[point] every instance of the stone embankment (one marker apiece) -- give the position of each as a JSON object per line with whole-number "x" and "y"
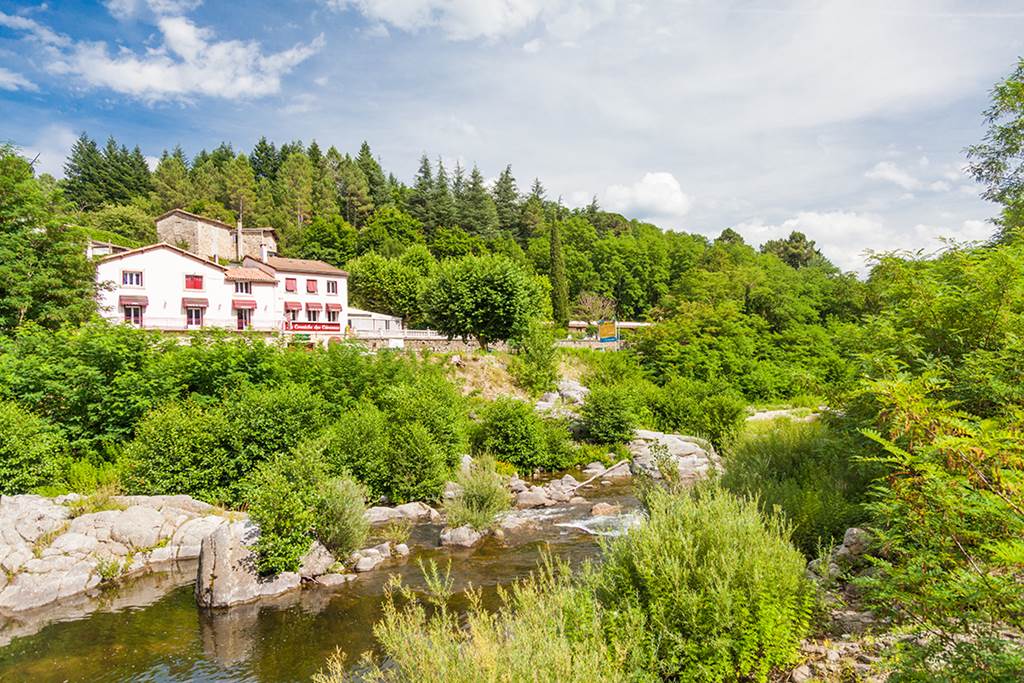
{"x": 47, "y": 553}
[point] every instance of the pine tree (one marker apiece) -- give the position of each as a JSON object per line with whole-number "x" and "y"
{"x": 506, "y": 202}
{"x": 421, "y": 202}
{"x": 559, "y": 284}
{"x": 295, "y": 182}
{"x": 83, "y": 174}
{"x": 354, "y": 192}
{"x": 171, "y": 184}
{"x": 375, "y": 179}
{"x": 442, "y": 202}
{"x": 118, "y": 175}
{"x": 240, "y": 182}
{"x": 478, "y": 215}
{"x": 265, "y": 160}
{"x": 325, "y": 183}
{"x": 533, "y": 212}
{"x": 142, "y": 181}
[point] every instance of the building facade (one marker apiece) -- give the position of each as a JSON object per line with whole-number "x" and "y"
{"x": 214, "y": 239}
{"x": 164, "y": 287}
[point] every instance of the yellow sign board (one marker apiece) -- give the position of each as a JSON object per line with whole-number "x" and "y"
{"x": 606, "y": 331}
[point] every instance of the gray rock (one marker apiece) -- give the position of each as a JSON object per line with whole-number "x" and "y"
{"x": 72, "y": 543}
{"x": 367, "y": 560}
{"x": 402, "y": 550}
{"x": 533, "y": 498}
{"x": 318, "y": 560}
{"x": 335, "y": 580}
{"x": 572, "y": 391}
{"x": 462, "y": 537}
{"x": 465, "y": 464}
{"x": 512, "y": 522}
{"x": 381, "y": 515}
{"x": 577, "y": 500}
{"x": 517, "y": 485}
{"x": 419, "y": 512}
{"x": 856, "y": 541}
{"x": 451, "y": 491}
{"x": 603, "y": 509}
{"x": 227, "y": 569}
{"x": 137, "y": 527}
{"x": 801, "y": 674}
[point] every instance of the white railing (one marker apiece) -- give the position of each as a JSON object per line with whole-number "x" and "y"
{"x": 397, "y": 334}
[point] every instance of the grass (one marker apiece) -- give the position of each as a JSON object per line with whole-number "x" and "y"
{"x": 44, "y": 541}
{"x": 397, "y": 531}
{"x": 101, "y": 500}
{"x": 110, "y": 569}
{"x": 482, "y": 497}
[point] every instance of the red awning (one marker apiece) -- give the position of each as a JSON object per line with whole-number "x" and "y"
{"x": 194, "y": 303}
{"x": 333, "y": 307}
{"x": 313, "y": 306}
{"x": 292, "y": 306}
{"x": 136, "y": 300}
{"x": 239, "y": 304}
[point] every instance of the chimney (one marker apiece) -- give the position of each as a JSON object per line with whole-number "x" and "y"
{"x": 238, "y": 241}
{"x": 263, "y": 252}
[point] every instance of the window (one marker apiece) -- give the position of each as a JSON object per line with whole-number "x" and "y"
{"x": 244, "y": 318}
{"x": 312, "y": 316}
{"x": 243, "y": 288}
{"x": 193, "y": 282}
{"x": 194, "y": 316}
{"x": 293, "y": 314}
{"x": 332, "y": 316}
{"x": 290, "y": 284}
{"x": 332, "y": 286}
{"x": 311, "y": 286}
{"x": 131, "y": 278}
{"x": 133, "y": 315}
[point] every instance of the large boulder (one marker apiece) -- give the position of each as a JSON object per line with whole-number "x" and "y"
{"x": 694, "y": 458}
{"x": 414, "y": 512}
{"x": 316, "y": 562}
{"x": 533, "y": 498}
{"x": 227, "y": 569}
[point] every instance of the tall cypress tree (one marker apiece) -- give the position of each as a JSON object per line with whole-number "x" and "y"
{"x": 559, "y": 284}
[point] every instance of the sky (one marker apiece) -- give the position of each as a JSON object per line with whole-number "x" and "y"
{"x": 844, "y": 120}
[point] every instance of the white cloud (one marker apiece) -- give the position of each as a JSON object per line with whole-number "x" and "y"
{"x": 845, "y": 237}
{"x": 471, "y": 19}
{"x": 657, "y": 197}
{"x": 130, "y": 8}
{"x": 15, "y": 81}
{"x": 889, "y": 172}
{"x": 533, "y": 46}
{"x": 300, "y": 104}
{"x": 34, "y": 28}
{"x": 191, "y": 61}
{"x": 320, "y": 80}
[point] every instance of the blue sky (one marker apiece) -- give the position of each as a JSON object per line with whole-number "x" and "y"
{"x": 846, "y": 120}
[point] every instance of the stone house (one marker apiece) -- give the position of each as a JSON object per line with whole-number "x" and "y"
{"x": 213, "y": 239}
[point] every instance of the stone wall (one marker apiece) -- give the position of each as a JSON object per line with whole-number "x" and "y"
{"x": 201, "y": 238}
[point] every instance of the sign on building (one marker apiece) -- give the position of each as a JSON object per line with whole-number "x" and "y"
{"x": 607, "y": 331}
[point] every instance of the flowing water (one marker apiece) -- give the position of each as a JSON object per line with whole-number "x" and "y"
{"x": 151, "y": 630}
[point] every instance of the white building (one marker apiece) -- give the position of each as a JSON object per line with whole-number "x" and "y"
{"x": 164, "y": 287}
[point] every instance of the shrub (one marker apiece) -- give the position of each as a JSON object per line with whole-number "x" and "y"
{"x": 717, "y": 589}
{"x": 357, "y": 443}
{"x": 417, "y": 466}
{"x": 340, "y": 520}
{"x": 271, "y": 421}
{"x": 512, "y": 432}
{"x": 283, "y": 501}
{"x": 534, "y": 366}
{"x": 809, "y": 471}
{"x": 184, "y": 448}
{"x": 609, "y": 415}
{"x": 711, "y": 410}
{"x": 32, "y": 452}
{"x": 86, "y": 477}
{"x": 481, "y": 497}
{"x": 434, "y": 402}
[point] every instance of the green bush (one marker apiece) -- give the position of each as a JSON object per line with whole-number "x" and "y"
{"x": 711, "y": 410}
{"x": 417, "y": 465}
{"x": 717, "y": 589}
{"x": 32, "y": 451}
{"x": 340, "y": 521}
{"x": 357, "y": 443}
{"x": 184, "y": 448}
{"x": 609, "y": 414}
{"x": 534, "y": 367}
{"x": 481, "y": 498}
{"x": 269, "y": 421}
{"x": 809, "y": 472}
{"x": 86, "y": 477}
{"x": 512, "y": 432}
{"x": 432, "y": 401}
{"x": 283, "y": 499}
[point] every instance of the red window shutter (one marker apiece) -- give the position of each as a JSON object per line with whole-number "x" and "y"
{"x": 193, "y": 282}
{"x": 311, "y": 286}
{"x": 290, "y": 284}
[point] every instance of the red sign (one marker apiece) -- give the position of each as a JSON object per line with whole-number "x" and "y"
{"x": 312, "y": 327}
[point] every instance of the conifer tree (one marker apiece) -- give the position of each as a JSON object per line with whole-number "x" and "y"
{"x": 295, "y": 185}
{"x": 533, "y": 212}
{"x": 241, "y": 187}
{"x": 375, "y": 179}
{"x": 477, "y": 214}
{"x": 506, "y": 202}
{"x": 421, "y": 201}
{"x": 171, "y": 184}
{"x": 353, "y": 192}
{"x": 83, "y": 174}
{"x": 442, "y": 203}
{"x": 142, "y": 177}
{"x": 559, "y": 284}
{"x": 265, "y": 160}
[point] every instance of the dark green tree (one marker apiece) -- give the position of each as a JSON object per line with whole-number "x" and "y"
{"x": 442, "y": 202}
{"x": 421, "y": 201}
{"x": 375, "y": 179}
{"x": 84, "y": 175}
{"x": 559, "y": 285}
{"x": 506, "y": 202}
{"x": 265, "y": 160}
{"x": 477, "y": 214}
{"x": 795, "y": 250}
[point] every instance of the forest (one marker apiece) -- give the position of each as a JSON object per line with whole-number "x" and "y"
{"x": 918, "y": 367}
